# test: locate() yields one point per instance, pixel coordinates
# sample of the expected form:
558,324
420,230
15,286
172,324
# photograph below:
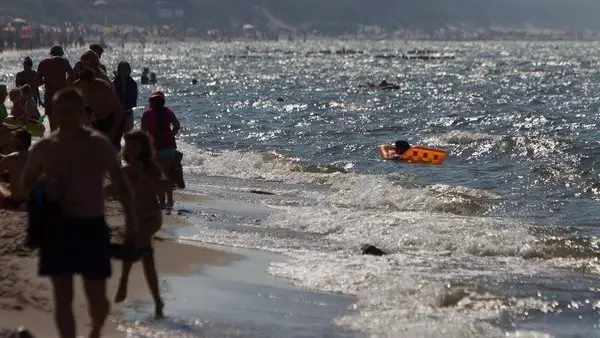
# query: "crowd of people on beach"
62,180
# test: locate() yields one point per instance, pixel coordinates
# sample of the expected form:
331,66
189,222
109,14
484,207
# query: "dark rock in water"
260,192
383,85
280,99
451,298
372,250
194,81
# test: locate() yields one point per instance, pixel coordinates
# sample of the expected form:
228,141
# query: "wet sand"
25,299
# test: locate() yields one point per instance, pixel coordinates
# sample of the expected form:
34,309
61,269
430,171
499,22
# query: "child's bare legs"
149,271
122,290
152,280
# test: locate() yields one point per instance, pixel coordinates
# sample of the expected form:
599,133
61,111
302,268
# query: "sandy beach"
26,299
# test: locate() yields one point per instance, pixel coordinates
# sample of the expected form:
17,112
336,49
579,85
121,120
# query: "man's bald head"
90,59
70,94
69,108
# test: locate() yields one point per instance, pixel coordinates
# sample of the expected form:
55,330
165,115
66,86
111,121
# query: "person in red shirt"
162,124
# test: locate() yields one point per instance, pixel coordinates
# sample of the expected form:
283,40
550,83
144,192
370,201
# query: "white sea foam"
412,291
460,138
348,189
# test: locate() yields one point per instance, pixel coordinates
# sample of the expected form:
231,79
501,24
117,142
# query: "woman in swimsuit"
162,124
148,181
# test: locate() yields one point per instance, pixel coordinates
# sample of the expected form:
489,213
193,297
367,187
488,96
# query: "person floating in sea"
147,77
401,147
12,165
28,76
148,182
127,91
54,73
162,124
403,151
80,243
103,101
144,79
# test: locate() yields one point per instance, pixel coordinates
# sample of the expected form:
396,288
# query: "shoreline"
25,295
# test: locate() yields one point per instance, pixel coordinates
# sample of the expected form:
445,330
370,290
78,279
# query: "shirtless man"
96,48
13,165
81,244
55,73
28,76
91,60
102,99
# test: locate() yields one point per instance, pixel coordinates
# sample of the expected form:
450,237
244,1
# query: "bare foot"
121,292
94,334
158,310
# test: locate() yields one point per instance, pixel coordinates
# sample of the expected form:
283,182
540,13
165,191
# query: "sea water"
500,240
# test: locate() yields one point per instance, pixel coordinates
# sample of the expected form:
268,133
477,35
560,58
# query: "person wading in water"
54,73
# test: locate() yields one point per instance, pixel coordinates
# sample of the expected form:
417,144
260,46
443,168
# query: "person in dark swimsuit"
127,91
73,162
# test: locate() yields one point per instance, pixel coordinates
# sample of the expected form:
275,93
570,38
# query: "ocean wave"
408,295
346,189
460,138
566,247
396,231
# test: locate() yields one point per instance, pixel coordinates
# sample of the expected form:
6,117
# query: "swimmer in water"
401,147
145,79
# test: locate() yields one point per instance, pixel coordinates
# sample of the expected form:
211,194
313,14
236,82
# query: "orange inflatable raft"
415,154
